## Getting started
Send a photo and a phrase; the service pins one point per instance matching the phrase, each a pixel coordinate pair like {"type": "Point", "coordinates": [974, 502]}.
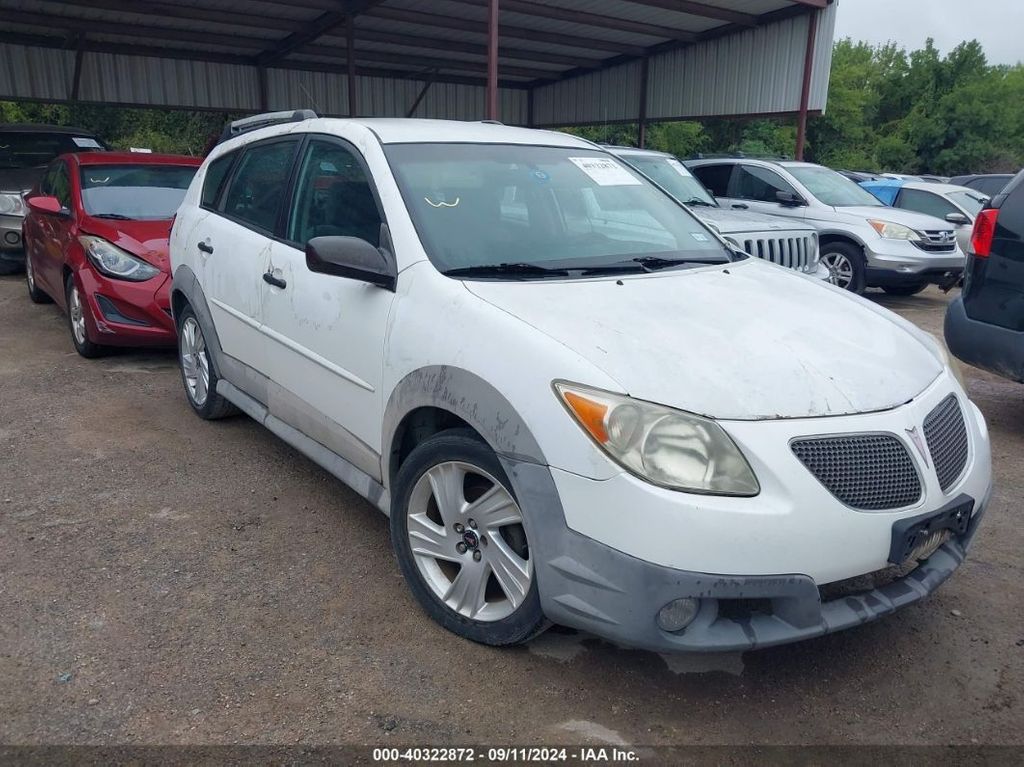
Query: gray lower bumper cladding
{"type": "Point", "coordinates": [587, 585]}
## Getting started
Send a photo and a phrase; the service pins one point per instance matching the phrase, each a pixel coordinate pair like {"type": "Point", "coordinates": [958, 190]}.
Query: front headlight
{"type": "Point", "coordinates": [114, 262]}
{"type": "Point", "coordinates": [666, 447]}
{"type": "Point", "coordinates": [12, 204]}
{"type": "Point", "coordinates": [891, 231]}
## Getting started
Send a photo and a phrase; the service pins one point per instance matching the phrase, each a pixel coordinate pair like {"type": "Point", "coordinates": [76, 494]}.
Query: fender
{"type": "Point", "coordinates": [469, 397]}
{"type": "Point", "coordinates": [186, 284]}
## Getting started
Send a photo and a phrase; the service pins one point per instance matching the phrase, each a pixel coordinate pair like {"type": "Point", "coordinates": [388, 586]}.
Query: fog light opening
{"type": "Point", "coordinates": [678, 614]}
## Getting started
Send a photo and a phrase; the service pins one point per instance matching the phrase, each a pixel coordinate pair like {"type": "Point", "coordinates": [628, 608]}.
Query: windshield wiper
{"type": "Point", "coordinates": [698, 201]}
{"type": "Point", "coordinates": [114, 216]}
{"type": "Point", "coordinates": [506, 270]}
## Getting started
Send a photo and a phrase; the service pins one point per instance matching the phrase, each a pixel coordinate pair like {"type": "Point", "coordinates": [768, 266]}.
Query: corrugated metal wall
{"type": "Point", "coordinates": [758, 71]}
{"type": "Point", "coordinates": [47, 74]}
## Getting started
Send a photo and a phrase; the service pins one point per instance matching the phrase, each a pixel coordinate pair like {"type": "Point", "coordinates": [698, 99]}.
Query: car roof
{"type": "Point", "coordinates": [400, 130]}
{"type": "Point", "coordinates": [41, 128]}
{"type": "Point", "coordinates": [928, 186]}
{"type": "Point", "coordinates": [135, 158]}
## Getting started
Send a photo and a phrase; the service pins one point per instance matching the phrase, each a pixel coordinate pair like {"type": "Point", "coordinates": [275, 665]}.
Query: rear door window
{"type": "Point", "coordinates": [257, 188]}
{"type": "Point", "coordinates": [715, 177]}
{"type": "Point", "coordinates": [925, 202]}
{"type": "Point", "coordinates": [753, 182]}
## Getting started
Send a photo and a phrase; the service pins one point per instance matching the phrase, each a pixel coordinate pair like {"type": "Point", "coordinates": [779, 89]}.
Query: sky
{"type": "Point", "coordinates": [998, 24]}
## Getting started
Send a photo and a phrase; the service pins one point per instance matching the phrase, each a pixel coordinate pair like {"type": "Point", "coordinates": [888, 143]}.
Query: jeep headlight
{"type": "Point", "coordinates": [664, 446]}
{"type": "Point", "coordinates": [891, 231]}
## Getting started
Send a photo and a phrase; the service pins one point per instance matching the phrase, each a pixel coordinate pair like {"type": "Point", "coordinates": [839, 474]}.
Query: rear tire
{"type": "Point", "coordinates": [452, 491]}
{"type": "Point", "coordinates": [36, 295]}
{"type": "Point", "coordinates": [846, 264]}
{"type": "Point", "coordinates": [78, 321]}
{"type": "Point", "coordinates": [905, 290]}
{"type": "Point", "coordinates": [197, 373]}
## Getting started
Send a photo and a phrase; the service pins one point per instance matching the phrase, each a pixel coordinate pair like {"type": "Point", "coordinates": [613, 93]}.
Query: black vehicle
{"type": "Point", "coordinates": [985, 325]}
{"type": "Point", "coordinates": [989, 185]}
{"type": "Point", "coordinates": [25, 151]}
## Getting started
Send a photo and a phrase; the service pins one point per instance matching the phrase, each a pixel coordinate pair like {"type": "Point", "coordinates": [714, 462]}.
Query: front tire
{"type": "Point", "coordinates": [461, 543]}
{"type": "Point", "coordinates": [36, 295]}
{"type": "Point", "coordinates": [197, 373]}
{"type": "Point", "coordinates": [78, 321]}
{"type": "Point", "coordinates": [845, 263]}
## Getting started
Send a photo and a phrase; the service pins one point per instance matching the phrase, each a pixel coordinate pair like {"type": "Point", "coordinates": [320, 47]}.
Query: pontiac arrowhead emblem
{"type": "Point", "coordinates": [915, 437]}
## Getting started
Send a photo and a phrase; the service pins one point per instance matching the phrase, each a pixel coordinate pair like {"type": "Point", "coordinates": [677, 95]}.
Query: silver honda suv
{"type": "Point", "coordinates": [864, 243]}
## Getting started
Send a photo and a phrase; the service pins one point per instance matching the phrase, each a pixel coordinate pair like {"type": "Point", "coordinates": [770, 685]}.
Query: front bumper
{"type": "Point", "coordinates": [610, 554]}
{"type": "Point", "coordinates": [127, 313]}
{"type": "Point", "coordinates": [990, 347]}
{"type": "Point", "coordinates": [11, 247]}
{"type": "Point", "coordinates": [899, 262]}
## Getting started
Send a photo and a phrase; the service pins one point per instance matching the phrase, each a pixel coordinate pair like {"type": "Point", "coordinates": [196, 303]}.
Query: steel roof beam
{"type": "Point", "coordinates": [318, 27]}
{"type": "Point", "coordinates": [701, 9]}
{"type": "Point", "coordinates": [188, 13]}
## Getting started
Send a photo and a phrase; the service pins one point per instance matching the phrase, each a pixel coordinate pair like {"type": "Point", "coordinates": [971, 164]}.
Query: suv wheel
{"type": "Point", "coordinates": [78, 319]}
{"type": "Point", "coordinates": [36, 295]}
{"type": "Point", "coordinates": [461, 543]}
{"type": "Point", "coordinates": [845, 263]}
{"type": "Point", "coordinates": [197, 374]}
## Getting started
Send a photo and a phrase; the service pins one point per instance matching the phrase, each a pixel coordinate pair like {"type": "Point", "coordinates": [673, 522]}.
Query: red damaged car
{"type": "Point", "coordinates": [96, 243]}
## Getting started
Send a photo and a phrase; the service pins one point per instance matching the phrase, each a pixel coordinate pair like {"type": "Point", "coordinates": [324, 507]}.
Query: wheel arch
{"type": "Point", "coordinates": [186, 292]}
{"type": "Point", "coordinates": [828, 237]}
{"type": "Point", "coordinates": [435, 398]}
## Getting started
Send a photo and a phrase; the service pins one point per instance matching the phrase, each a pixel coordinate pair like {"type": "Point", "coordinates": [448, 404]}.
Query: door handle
{"type": "Point", "coordinates": [277, 282]}
{"type": "Point", "coordinates": [205, 247]}
{"type": "Point", "coordinates": [741, 206]}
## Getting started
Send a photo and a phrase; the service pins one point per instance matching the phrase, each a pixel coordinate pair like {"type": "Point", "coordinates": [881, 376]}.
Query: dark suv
{"type": "Point", "coordinates": [25, 151]}
{"type": "Point", "coordinates": [985, 326]}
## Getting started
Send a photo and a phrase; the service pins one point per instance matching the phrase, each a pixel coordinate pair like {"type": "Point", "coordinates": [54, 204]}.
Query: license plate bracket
{"type": "Point", "coordinates": [907, 534]}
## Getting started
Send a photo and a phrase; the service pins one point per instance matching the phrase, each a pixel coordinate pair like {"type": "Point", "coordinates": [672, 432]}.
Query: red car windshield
{"type": "Point", "coordinates": [138, 192]}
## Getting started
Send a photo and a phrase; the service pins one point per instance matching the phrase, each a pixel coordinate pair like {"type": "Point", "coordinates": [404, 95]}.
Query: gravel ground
{"type": "Point", "coordinates": [167, 580]}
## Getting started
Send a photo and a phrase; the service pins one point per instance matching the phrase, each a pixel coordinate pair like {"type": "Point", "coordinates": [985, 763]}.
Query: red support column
{"type": "Point", "coordinates": [642, 116]}
{"type": "Point", "coordinates": [805, 93]}
{"type": "Point", "coordinates": [492, 60]}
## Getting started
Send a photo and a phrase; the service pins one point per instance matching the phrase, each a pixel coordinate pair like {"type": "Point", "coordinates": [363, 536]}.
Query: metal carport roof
{"type": "Point", "coordinates": [556, 62]}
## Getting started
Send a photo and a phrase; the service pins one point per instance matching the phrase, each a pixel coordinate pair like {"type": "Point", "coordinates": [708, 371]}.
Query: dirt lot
{"type": "Point", "coordinates": [167, 580]}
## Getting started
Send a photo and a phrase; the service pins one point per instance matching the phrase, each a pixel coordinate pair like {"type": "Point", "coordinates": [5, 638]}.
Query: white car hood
{"type": "Point", "coordinates": [734, 222]}
{"type": "Point", "coordinates": [749, 341]}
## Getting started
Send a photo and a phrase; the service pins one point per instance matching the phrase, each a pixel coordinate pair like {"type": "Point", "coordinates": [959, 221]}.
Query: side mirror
{"type": "Point", "coordinates": [45, 204]}
{"type": "Point", "coordinates": [790, 199]}
{"type": "Point", "coordinates": [958, 218]}
{"type": "Point", "coordinates": [351, 257]}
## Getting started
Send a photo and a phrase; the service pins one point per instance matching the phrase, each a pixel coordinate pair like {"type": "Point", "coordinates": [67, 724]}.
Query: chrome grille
{"type": "Point", "coordinates": [790, 252]}
{"type": "Point", "coordinates": [946, 435]}
{"type": "Point", "coordinates": [871, 472]}
{"type": "Point", "coordinates": [937, 241]}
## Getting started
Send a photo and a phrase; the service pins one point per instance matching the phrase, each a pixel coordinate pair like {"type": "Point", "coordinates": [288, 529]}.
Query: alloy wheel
{"type": "Point", "coordinates": [77, 314]}
{"type": "Point", "coordinates": [840, 269]}
{"type": "Point", "coordinates": [194, 363]}
{"type": "Point", "coordinates": [468, 541]}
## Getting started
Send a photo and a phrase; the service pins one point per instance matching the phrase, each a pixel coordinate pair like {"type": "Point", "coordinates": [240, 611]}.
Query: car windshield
{"type": "Point", "coordinates": [32, 149]}
{"type": "Point", "coordinates": [832, 188]}
{"type": "Point", "coordinates": [672, 176]}
{"type": "Point", "coordinates": [972, 202]}
{"type": "Point", "coordinates": [134, 191]}
{"type": "Point", "coordinates": [535, 210]}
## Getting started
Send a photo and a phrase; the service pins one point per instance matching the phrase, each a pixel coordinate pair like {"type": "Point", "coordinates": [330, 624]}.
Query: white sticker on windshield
{"type": "Point", "coordinates": [605, 171]}
{"type": "Point", "coordinates": [700, 237]}
{"type": "Point", "coordinates": [86, 143]}
{"type": "Point", "coordinates": [679, 168]}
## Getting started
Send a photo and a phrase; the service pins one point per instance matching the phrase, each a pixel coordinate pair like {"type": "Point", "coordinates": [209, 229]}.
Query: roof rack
{"type": "Point", "coordinates": [740, 156]}
{"type": "Point", "coordinates": [246, 124]}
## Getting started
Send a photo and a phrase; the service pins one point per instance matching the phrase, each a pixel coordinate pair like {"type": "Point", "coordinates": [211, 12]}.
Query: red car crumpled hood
{"type": "Point", "coordinates": [145, 239]}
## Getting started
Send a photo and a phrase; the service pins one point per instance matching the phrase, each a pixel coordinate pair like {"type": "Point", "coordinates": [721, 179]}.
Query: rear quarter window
{"type": "Point", "coordinates": [213, 182]}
